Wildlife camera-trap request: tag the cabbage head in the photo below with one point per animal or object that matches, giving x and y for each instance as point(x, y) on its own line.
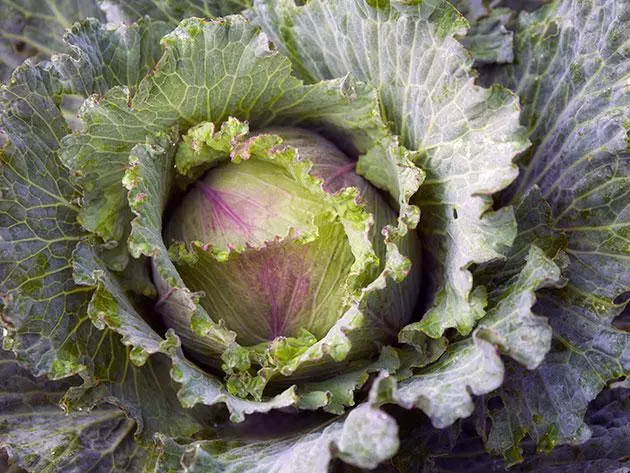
point(281, 236)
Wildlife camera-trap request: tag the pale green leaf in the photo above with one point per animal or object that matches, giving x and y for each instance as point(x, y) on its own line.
point(443, 389)
point(365, 440)
point(468, 136)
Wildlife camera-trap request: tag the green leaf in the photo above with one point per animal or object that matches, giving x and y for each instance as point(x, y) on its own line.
point(337, 393)
point(510, 324)
point(608, 447)
point(467, 135)
point(534, 262)
point(366, 437)
point(489, 40)
point(35, 28)
point(98, 161)
point(101, 57)
point(445, 451)
point(443, 389)
point(572, 78)
point(549, 403)
point(580, 171)
point(173, 11)
point(40, 436)
point(41, 306)
point(45, 312)
point(535, 228)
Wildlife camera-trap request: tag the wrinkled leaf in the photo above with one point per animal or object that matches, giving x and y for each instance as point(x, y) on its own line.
point(572, 76)
point(35, 28)
point(468, 136)
point(40, 436)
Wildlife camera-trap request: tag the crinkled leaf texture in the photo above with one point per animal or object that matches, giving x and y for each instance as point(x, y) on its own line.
point(572, 75)
point(67, 313)
point(141, 404)
point(35, 28)
point(39, 436)
point(467, 135)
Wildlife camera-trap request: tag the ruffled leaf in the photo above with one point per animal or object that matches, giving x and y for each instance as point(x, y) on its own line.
point(443, 389)
point(40, 436)
point(367, 437)
point(41, 306)
point(449, 450)
point(45, 312)
point(101, 57)
point(580, 163)
point(35, 28)
point(337, 393)
point(467, 135)
point(509, 324)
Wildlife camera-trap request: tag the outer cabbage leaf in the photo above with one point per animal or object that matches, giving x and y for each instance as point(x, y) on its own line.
point(365, 437)
point(467, 135)
point(101, 57)
point(172, 11)
point(489, 39)
point(572, 76)
point(39, 232)
point(40, 436)
point(35, 28)
point(44, 312)
point(443, 389)
point(461, 448)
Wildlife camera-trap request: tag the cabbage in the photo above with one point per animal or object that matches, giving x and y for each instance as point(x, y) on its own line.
point(280, 236)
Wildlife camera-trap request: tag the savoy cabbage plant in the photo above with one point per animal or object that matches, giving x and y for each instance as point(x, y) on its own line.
point(309, 236)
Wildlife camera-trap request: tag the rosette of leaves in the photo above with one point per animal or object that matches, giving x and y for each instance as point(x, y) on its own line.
point(266, 231)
